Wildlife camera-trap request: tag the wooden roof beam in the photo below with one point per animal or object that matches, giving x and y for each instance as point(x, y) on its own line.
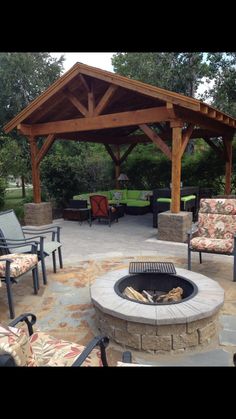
point(122, 119)
point(127, 152)
point(110, 151)
point(84, 82)
point(217, 149)
point(186, 136)
point(156, 139)
point(105, 99)
point(45, 147)
point(76, 102)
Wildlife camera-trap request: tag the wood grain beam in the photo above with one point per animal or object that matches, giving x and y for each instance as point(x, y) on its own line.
point(91, 101)
point(109, 150)
point(176, 169)
point(228, 164)
point(127, 152)
point(84, 82)
point(121, 119)
point(35, 170)
point(105, 99)
point(45, 147)
point(156, 140)
point(216, 148)
point(76, 102)
point(186, 136)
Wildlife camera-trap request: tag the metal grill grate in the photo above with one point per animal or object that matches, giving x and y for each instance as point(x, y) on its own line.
point(151, 267)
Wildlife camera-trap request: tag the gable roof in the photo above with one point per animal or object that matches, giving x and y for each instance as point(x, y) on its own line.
point(53, 104)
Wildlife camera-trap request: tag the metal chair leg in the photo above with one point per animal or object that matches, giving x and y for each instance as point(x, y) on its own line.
point(44, 270)
point(60, 257)
point(54, 262)
point(189, 259)
point(35, 281)
point(10, 298)
point(200, 257)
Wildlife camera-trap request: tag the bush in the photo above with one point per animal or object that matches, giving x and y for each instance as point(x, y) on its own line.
point(3, 186)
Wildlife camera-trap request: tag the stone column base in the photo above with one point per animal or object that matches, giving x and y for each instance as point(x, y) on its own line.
point(174, 227)
point(38, 214)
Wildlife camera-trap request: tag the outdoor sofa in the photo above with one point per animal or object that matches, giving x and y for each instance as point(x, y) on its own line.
point(136, 202)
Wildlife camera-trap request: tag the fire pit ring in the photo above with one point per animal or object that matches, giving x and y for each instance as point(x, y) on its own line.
point(163, 282)
point(156, 328)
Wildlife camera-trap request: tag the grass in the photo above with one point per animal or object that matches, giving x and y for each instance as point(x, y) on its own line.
point(14, 200)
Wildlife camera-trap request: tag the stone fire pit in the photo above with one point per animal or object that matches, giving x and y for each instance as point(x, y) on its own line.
point(168, 327)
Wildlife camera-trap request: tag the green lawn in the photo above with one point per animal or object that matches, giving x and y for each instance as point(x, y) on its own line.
point(14, 200)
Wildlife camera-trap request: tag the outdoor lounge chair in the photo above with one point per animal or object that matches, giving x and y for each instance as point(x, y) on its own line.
point(102, 210)
point(23, 347)
point(14, 266)
point(13, 234)
point(216, 230)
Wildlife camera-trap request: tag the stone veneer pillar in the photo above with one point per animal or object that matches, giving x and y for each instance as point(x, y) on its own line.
point(174, 227)
point(38, 214)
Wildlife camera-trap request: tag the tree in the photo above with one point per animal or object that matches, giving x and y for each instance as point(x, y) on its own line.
point(179, 72)
point(23, 76)
point(222, 73)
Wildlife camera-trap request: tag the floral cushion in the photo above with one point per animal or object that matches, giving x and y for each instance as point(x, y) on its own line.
point(218, 206)
point(217, 226)
point(212, 245)
point(16, 342)
point(21, 264)
point(51, 351)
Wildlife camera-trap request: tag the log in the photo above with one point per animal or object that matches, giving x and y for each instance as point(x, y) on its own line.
point(134, 295)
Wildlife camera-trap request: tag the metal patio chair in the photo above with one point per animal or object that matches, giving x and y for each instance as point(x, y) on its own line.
point(216, 231)
point(12, 235)
point(102, 210)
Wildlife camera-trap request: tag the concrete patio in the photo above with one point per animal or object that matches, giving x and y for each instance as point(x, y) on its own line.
point(64, 308)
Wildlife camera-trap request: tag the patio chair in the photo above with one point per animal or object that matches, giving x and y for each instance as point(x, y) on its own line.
point(22, 346)
point(102, 210)
point(12, 234)
point(216, 230)
point(13, 267)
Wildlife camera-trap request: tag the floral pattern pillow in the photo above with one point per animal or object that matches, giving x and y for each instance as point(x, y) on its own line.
point(144, 195)
point(117, 195)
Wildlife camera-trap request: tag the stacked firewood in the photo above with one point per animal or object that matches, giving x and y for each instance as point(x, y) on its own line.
point(145, 297)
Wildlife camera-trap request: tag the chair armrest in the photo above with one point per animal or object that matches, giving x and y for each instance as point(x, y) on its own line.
point(102, 342)
point(24, 318)
point(54, 230)
point(21, 240)
point(34, 246)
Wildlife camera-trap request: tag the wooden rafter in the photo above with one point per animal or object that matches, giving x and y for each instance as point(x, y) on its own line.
point(216, 148)
point(76, 102)
point(186, 136)
point(91, 101)
point(84, 83)
point(156, 139)
point(121, 119)
point(127, 152)
point(45, 147)
point(105, 99)
point(110, 151)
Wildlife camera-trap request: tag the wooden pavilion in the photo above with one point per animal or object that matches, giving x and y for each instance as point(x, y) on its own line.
point(90, 104)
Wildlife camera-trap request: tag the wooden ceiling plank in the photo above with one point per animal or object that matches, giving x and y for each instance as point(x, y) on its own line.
point(105, 99)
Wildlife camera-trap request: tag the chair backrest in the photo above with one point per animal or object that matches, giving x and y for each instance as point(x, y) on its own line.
point(10, 226)
point(99, 206)
point(217, 218)
point(78, 203)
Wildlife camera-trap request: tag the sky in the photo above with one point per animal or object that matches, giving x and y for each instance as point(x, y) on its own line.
point(102, 60)
point(95, 59)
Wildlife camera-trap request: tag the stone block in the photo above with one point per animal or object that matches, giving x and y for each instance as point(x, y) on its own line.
point(198, 324)
point(171, 329)
point(128, 339)
point(155, 343)
point(207, 332)
point(38, 214)
point(141, 329)
point(174, 227)
point(185, 340)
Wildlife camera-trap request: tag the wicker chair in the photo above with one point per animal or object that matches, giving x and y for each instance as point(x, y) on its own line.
point(216, 230)
point(12, 235)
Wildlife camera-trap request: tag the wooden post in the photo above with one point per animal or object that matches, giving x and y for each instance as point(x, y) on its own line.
point(35, 170)
point(228, 165)
point(117, 167)
point(176, 165)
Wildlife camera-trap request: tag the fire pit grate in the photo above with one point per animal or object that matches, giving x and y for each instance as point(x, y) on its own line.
point(151, 267)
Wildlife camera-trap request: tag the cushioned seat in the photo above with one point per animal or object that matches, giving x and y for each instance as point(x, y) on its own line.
point(216, 229)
